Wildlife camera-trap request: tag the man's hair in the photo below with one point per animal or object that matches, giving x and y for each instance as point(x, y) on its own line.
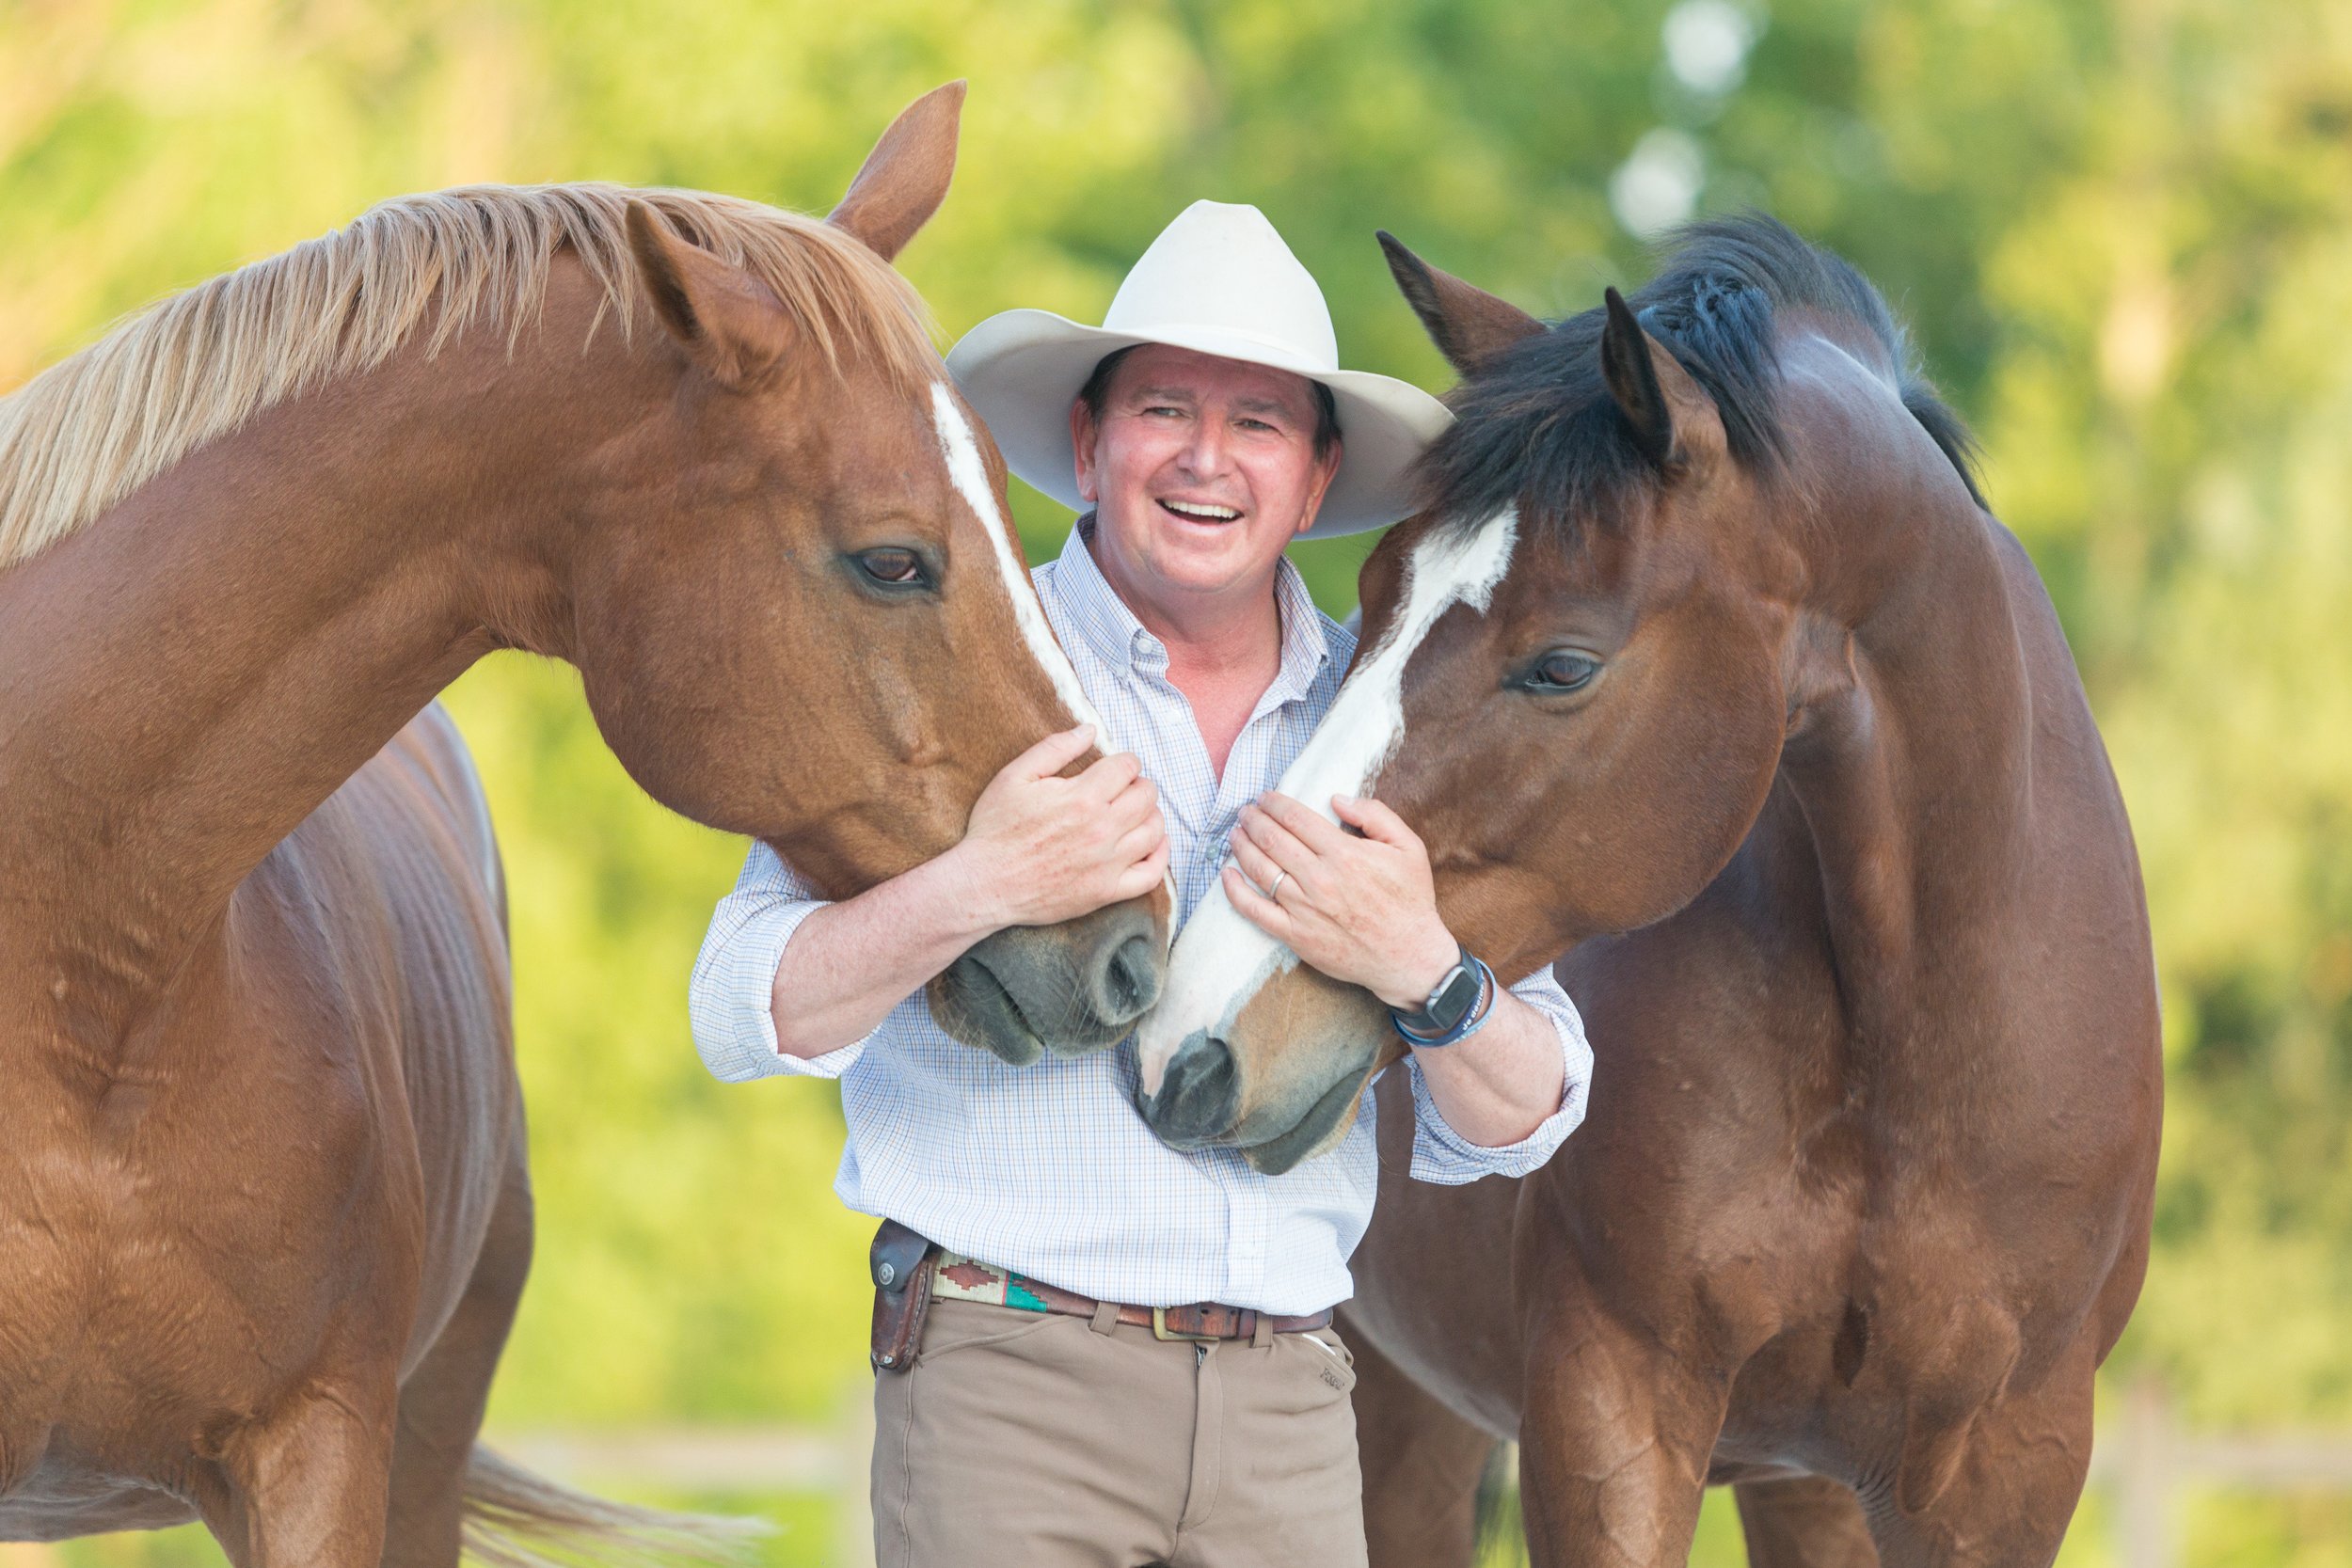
point(1098, 390)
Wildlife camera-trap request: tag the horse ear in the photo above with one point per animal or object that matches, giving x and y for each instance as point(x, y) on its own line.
point(905, 178)
point(725, 319)
point(1670, 414)
point(1467, 323)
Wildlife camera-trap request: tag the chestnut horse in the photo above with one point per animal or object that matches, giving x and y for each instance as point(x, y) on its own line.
point(264, 1213)
point(1707, 667)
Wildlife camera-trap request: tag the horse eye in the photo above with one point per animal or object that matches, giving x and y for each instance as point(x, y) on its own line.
point(1562, 670)
point(892, 568)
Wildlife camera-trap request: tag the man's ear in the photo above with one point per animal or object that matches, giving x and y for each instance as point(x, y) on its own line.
point(1328, 466)
point(1082, 434)
point(1672, 418)
point(1469, 324)
point(905, 178)
point(727, 321)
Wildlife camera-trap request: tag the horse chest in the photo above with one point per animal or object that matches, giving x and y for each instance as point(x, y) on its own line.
point(162, 1266)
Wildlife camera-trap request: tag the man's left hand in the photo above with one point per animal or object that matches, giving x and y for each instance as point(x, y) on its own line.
point(1363, 911)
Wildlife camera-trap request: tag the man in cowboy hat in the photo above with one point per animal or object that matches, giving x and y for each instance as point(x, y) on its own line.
point(1048, 1416)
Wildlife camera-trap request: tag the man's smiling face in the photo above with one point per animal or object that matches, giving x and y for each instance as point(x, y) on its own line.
point(1201, 469)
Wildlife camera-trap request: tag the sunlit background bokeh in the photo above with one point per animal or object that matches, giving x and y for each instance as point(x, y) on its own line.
point(2122, 231)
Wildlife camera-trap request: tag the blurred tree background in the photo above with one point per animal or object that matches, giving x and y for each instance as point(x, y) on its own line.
point(2121, 229)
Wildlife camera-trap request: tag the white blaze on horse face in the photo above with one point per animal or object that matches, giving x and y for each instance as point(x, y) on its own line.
point(1222, 959)
point(970, 477)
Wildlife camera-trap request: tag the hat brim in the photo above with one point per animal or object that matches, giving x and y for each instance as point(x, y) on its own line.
point(1020, 371)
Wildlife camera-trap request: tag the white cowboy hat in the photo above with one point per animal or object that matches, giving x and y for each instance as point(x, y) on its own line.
point(1219, 280)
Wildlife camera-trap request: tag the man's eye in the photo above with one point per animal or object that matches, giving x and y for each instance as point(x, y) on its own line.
point(894, 568)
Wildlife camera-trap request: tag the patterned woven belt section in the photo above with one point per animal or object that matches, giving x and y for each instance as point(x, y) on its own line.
point(962, 1278)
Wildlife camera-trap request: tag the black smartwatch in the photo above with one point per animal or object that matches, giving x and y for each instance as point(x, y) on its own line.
point(1452, 1011)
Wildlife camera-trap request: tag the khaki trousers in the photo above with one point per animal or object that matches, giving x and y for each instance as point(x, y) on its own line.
point(1036, 1439)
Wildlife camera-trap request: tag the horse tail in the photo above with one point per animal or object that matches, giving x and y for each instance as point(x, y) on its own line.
point(515, 1519)
point(1499, 1533)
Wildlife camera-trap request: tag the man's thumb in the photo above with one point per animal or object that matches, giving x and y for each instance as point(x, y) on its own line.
point(1370, 818)
point(1057, 752)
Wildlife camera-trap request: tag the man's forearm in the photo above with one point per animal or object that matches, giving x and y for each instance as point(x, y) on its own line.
point(1498, 1086)
point(849, 963)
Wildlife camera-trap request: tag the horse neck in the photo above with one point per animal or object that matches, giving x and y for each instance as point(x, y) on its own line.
point(188, 677)
point(1909, 755)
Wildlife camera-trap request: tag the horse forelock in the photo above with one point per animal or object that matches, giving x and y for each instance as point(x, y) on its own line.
point(193, 367)
point(1536, 426)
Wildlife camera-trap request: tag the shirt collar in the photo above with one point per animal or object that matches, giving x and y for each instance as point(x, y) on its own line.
point(1118, 638)
point(1100, 615)
point(1305, 649)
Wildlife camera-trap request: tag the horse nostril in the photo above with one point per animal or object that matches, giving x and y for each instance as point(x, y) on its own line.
point(1130, 981)
point(1198, 1096)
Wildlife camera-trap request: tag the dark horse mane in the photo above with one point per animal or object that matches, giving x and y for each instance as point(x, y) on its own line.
point(1538, 427)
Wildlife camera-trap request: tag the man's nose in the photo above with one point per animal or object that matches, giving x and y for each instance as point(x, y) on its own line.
point(1207, 455)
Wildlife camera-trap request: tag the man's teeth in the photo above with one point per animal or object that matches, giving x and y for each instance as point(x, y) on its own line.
point(1214, 513)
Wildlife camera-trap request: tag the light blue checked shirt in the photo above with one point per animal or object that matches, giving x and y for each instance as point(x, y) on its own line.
point(1047, 1169)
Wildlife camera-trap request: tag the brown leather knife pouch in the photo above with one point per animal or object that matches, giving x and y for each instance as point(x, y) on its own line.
point(901, 1263)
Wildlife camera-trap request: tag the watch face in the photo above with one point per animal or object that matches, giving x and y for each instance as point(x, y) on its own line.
point(1454, 998)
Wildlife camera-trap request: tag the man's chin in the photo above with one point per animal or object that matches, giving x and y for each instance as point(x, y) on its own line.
point(1198, 561)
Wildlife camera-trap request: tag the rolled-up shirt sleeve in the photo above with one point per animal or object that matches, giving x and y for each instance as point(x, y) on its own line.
point(731, 997)
point(1444, 1156)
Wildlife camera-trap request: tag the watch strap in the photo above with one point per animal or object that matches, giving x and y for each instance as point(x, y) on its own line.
point(1423, 1031)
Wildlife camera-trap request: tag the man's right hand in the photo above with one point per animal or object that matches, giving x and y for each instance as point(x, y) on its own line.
point(1038, 849)
point(1041, 848)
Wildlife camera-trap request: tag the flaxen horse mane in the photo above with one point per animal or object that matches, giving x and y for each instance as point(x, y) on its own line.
point(1539, 428)
point(193, 367)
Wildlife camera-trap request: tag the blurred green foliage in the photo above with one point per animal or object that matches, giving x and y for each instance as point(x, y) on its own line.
point(2122, 228)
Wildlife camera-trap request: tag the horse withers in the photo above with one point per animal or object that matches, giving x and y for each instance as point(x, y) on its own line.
point(264, 1209)
point(1707, 667)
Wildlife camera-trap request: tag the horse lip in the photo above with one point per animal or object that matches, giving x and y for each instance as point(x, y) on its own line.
point(1285, 1150)
point(999, 991)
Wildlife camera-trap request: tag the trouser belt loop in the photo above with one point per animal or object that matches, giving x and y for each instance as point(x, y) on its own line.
point(1263, 1336)
point(1105, 1317)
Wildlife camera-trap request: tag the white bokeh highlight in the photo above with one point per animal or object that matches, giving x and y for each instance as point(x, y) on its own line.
point(1707, 45)
point(1658, 186)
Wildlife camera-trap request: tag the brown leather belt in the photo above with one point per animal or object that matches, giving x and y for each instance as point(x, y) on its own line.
point(909, 1270)
point(961, 1278)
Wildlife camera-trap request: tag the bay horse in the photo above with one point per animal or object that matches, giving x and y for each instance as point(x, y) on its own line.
point(264, 1209)
point(1707, 667)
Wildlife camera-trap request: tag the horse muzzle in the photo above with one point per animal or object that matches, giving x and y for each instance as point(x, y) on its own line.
point(1278, 1094)
point(1070, 988)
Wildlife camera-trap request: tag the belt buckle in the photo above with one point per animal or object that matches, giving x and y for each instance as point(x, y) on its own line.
point(1161, 1331)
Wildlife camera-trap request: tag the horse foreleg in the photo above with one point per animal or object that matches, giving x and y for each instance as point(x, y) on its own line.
point(441, 1404)
point(2014, 1492)
point(305, 1486)
point(1614, 1445)
point(1808, 1523)
point(1421, 1464)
